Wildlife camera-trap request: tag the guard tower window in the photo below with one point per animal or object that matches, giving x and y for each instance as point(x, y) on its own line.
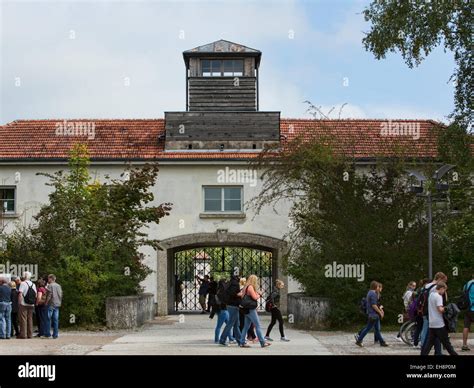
point(222, 68)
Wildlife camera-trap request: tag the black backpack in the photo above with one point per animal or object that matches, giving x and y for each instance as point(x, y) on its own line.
point(422, 303)
point(464, 301)
point(30, 296)
point(224, 294)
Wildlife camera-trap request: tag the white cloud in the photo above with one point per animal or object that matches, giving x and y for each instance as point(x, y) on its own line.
point(84, 77)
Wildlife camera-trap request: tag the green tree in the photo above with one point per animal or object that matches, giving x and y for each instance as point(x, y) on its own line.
point(415, 28)
point(350, 217)
point(456, 227)
point(89, 235)
point(347, 213)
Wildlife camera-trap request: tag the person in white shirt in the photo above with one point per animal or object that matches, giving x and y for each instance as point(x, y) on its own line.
point(26, 308)
point(411, 287)
point(430, 288)
point(437, 327)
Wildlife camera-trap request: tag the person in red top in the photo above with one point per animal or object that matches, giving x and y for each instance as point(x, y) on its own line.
point(42, 310)
point(250, 289)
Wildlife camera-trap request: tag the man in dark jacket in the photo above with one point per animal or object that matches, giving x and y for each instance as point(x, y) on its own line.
point(212, 290)
point(14, 296)
point(233, 301)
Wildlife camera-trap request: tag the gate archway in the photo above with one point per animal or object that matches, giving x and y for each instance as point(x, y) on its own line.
point(166, 289)
point(218, 263)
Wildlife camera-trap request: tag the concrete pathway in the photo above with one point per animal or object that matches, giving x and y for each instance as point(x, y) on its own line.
point(194, 335)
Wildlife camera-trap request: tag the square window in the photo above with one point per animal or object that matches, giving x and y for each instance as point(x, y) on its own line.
point(222, 199)
point(7, 199)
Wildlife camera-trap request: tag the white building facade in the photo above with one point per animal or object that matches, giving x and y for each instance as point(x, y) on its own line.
point(203, 154)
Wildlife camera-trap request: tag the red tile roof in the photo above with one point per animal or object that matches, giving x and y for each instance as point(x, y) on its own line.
point(139, 139)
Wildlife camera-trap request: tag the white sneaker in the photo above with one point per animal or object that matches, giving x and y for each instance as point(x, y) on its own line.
point(284, 339)
point(268, 339)
point(399, 339)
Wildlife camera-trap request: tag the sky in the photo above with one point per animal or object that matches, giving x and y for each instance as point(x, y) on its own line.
point(123, 59)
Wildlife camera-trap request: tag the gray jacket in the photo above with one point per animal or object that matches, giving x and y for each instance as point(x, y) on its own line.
point(54, 295)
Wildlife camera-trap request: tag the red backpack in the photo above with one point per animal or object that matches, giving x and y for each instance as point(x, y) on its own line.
point(422, 301)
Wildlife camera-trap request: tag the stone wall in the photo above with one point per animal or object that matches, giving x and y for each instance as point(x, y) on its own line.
point(129, 312)
point(306, 312)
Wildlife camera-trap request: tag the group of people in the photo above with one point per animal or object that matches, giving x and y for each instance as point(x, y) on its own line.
point(427, 306)
point(20, 299)
point(235, 303)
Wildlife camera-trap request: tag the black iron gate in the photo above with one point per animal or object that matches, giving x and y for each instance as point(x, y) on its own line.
point(218, 262)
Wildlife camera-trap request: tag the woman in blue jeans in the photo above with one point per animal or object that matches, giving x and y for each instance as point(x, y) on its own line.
point(5, 309)
point(220, 309)
point(252, 316)
point(374, 314)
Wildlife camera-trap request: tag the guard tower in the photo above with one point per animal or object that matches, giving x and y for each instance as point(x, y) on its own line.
point(222, 102)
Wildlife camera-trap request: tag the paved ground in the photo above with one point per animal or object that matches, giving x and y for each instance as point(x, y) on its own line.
point(193, 335)
point(343, 343)
point(68, 343)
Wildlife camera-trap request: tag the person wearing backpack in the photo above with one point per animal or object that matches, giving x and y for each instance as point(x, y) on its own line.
point(26, 301)
point(380, 306)
point(220, 308)
point(423, 300)
point(232, 300)
point(374, 314)
point(212, 294)
point(272, 307)
point(415, 316)
point(437, 326)
point(469, 314)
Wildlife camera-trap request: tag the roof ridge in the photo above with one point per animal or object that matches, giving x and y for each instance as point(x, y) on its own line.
point(162, 119)
point(80, 119)
point(353, 119)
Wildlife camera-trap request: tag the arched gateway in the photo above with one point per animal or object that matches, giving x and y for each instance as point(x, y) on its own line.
point(218, 253)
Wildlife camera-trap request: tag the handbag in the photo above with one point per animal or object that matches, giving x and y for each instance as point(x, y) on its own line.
point(269, 306)
point(248, 302)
